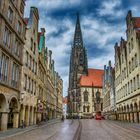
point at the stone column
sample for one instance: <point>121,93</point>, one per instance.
<point>4,121</point>
<point>127,117</point>
<point>31,116</point>
<point>135,117</point>
<point>131,117</point>
<point>35,114</point>
<point>22,115</point>
<point>15,119</point>
<point>27,113</point>
<point>139,116</point>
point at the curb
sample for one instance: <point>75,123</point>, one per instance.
<point>78,132</point>
<point>35,127</point>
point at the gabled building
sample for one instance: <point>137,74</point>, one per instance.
<point>29,73</point>
<point>127,72</point>
<point>12,37</point>
<point>109,98</point>
<point>91,98</point>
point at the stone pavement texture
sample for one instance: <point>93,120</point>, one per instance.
<point>58,131</point>
<point>107,130</point>
<point>17,131</point>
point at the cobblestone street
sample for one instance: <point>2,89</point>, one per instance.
<point>58,131</point>
<point>91,130</point>
<point>109,130</point>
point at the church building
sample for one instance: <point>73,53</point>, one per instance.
<point>85,85</point>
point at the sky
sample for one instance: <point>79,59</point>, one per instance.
<point>102,24</point>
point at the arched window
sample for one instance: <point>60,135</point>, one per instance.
<point>86,97</point>
<point>98,97</point>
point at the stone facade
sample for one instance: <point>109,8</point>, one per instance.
<point>109,99</point>
<point>59,97</point>
<point>82,81</point>
<point>78,66</point>
<point>50,83</point>
<point>29,83</point>
<point>28,92</point>
<point>127,72</point>
<point>91,97</point>
<point>12,36</point>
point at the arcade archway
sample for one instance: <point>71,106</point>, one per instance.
<point>13,115</point>
<point>2,111</point>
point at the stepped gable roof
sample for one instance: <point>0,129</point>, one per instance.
<point>94,78</point>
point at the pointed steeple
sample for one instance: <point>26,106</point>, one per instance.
<point>78,40</point>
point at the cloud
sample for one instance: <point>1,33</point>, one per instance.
<point>103,24</point>
<point>111,8</point>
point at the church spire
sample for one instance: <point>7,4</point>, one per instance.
<point>78,40</point>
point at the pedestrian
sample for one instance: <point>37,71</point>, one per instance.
<point>62,118</point>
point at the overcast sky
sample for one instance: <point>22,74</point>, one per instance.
<point>102,23</point>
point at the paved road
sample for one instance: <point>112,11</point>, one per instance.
<point>107,130</point>
<point>58,131</point>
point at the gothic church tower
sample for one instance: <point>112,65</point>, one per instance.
<point>78,67</point>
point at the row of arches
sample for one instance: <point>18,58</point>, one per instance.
<point>129,112</point>
<point>8,112</point>
<point>13,115</point>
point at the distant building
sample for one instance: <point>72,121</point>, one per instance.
<point>85,85</point>
<point>65,101</point>
<point>109,98</point>
<point>91,99</point>
<point>78,67</point>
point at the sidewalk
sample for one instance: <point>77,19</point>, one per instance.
<point>127,124</point>
<point>17,131</point>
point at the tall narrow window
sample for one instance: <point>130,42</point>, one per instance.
<point>10,14</point>
<point>19,27</point>
<point>136,60</point>
<point>6,69</point>
<point>137,85</point>
<point>27,57</point>
<point>87,108</point>
<point>35,89</point>
<point>7,37</point>
<point>29,84</point>
<point>32,44</point>
<point>86,97</point>
<point>25,81</point>
<point>22,7</point>
<point>34,48</point>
